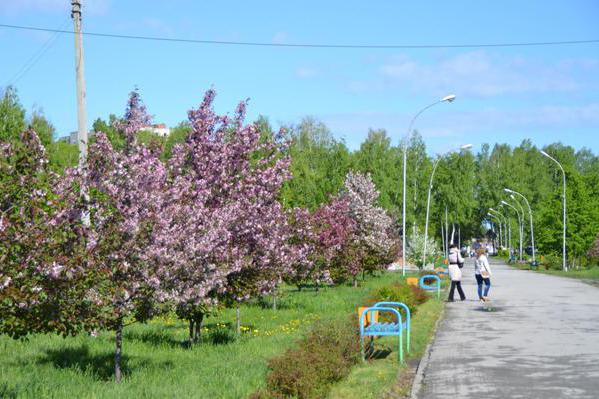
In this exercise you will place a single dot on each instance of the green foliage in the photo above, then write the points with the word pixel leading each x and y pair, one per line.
pixel 325 356
pixel 12 116
pixel 400 292
pixel 62 155
pixel 114 136
pixel 44 129
pixel 319 165
pixel 178 135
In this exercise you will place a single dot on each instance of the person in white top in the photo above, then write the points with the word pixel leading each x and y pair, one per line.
pixel 482 272
pixel 455 273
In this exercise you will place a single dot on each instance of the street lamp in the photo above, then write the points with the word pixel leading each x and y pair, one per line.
pixel 428 201
pixel 564 265
pixel 500 222
pixel 508 239
pixel 532 234
pixel 448 99
pixel 519 223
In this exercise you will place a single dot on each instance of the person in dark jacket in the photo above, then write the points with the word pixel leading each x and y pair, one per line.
pixel 455 273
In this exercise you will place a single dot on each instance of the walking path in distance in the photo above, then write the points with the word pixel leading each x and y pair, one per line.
pixel 541 341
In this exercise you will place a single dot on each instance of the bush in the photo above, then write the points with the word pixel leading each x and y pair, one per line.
pixel 325 356
pixel 503 253
pixel 400 292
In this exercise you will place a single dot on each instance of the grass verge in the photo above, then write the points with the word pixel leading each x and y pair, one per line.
pixel 384 376
pixel 157 363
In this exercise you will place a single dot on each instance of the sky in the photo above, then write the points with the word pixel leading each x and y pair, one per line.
pixel 506 95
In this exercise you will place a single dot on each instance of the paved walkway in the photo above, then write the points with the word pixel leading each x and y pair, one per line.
pixel 542 341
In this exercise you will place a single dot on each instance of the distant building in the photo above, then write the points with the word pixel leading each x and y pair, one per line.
pixel 160 129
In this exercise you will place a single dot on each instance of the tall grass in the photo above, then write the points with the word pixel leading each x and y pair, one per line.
pixel 157 362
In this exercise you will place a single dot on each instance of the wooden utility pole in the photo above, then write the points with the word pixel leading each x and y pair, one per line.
pixel 81 114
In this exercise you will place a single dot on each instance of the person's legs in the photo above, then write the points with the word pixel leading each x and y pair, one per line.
pixel 460 291
pixel 451 290
pixel 479 283
pixel 487 286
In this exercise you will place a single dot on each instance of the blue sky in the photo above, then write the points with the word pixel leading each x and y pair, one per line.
pixel 546 94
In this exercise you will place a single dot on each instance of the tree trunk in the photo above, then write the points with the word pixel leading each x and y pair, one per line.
pixel 191 338
pixel 355 282
pixel 238 319
pixel 119 349
pixel 198 328
pixel 274 299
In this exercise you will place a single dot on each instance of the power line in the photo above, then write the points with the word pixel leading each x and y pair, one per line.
pixel 35 57
pixel 309 45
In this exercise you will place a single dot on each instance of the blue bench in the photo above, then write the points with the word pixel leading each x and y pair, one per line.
pixel 436 287
pixel 386 329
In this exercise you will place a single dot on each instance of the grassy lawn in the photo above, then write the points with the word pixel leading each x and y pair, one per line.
pixel 380 376
pixel 157 363
pixel 585 274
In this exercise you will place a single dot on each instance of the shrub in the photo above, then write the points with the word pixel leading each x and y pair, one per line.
pixel 400 292
pixel 325 356
pixel 503 253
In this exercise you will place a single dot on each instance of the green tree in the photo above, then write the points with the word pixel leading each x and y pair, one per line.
pixel 12 116
pixel 44 129
pixel 319 165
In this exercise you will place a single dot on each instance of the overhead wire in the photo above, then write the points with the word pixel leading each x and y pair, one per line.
pixel 307 45
pixel 37 56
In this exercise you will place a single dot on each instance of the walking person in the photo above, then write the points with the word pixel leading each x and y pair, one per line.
pixel 482 272
pixel 455 273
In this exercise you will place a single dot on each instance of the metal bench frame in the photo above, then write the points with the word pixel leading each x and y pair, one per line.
pixel 427 287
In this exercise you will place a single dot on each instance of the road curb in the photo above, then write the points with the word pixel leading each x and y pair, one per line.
pixel 423 364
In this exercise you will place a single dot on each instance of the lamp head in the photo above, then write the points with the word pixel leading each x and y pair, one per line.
pixel 491 209
pixel 466 147
pixel 504 203
pixel 507 190
pixel 448 98
pixel 545 154
pixel 512 197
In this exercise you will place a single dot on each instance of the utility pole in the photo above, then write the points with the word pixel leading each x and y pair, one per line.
pixel 81 114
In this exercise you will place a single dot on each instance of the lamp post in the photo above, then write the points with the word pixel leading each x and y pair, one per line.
pixel 532 233
pixel 564 265
pixel 500 221
pixel 513 198
pixel 447 99
pixel 519 223
pixel 428 201
pixel 507 230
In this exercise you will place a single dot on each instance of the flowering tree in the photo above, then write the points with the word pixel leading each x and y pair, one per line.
pixel 234 232
pixel 44 282
pixel 594 251
pixel 416 249
pixel 336 231
pixel 374 238
pixel 126 195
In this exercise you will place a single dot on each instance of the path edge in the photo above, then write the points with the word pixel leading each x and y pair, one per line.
pixel 424 360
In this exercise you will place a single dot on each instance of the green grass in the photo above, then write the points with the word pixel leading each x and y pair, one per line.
pixel 380 376
pixel 585 274
pixel 158 365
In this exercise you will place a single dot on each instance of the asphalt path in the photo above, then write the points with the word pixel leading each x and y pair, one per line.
pixel 537 338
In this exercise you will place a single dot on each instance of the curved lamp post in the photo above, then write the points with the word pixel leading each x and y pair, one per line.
pixel 564 265
pixel 447 99
pixel 428 201
pixel 500 222
pixel 532 233
pixel 519 223
pixel 507 229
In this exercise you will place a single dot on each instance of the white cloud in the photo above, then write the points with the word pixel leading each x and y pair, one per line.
pixel 439 129
pixel 480 74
